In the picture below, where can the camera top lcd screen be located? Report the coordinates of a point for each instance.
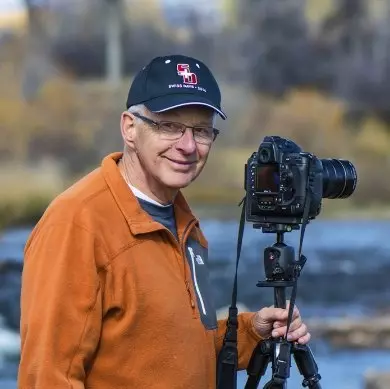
(267, 179)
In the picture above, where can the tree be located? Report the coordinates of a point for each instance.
(39, 64)
(360, 58)
(276, 45)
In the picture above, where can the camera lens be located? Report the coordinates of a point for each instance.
(339, 179)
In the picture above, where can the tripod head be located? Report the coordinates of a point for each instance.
(281, 268)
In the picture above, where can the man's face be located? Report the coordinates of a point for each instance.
(171, 164)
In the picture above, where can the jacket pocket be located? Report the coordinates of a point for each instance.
(197, 257)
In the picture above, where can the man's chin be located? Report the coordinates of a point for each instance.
(178, 183)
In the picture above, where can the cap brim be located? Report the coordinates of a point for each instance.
(168, 102)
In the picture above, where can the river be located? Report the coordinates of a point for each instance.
(347, 270)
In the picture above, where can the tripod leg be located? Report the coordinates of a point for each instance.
(280, 297)
(258, 363)
(307, 366)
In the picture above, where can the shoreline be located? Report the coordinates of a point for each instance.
(232, 212)
(13, 215)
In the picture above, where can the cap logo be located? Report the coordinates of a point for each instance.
(188, 77)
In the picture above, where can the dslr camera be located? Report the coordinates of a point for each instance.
(280, 176)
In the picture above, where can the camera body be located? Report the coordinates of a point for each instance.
(280, 176)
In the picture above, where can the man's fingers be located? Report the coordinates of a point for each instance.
(298, 333)
(295, 324)
(272, 314)
(294, 333)
(282, 314)
(295, 311)
(297, 330)
(278, 314)
(305, 339)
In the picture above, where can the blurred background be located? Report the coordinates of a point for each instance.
(316, 71)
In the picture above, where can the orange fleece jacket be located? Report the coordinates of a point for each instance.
(107, 298)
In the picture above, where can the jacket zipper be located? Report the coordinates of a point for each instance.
(196, 281)
(183, 250)
(186, 281)
(192, 302)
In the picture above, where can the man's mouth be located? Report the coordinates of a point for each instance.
(179, 162)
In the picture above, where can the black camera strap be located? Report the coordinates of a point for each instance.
(228, 356)
(305, 221)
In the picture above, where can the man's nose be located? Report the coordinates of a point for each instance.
(187, 142)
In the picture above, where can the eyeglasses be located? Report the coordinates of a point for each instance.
(173, 131)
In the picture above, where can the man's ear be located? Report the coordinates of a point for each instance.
(128, 128)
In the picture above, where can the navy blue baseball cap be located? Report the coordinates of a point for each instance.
(175, 81)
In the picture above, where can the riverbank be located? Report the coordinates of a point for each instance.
(24, 206)
(353, 333)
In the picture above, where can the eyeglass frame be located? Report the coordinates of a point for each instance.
(184, 127)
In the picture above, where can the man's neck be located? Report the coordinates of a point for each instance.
(136, 180)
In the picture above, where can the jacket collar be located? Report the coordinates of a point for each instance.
(139, 221)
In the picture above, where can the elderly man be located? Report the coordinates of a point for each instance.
(115, 287)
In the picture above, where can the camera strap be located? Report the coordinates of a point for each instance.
(228, 356)
(305, 221)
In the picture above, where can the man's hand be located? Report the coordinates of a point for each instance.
(272, 321)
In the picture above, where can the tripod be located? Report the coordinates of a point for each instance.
(281, 271)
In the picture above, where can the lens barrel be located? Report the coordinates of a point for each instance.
(339, 178)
